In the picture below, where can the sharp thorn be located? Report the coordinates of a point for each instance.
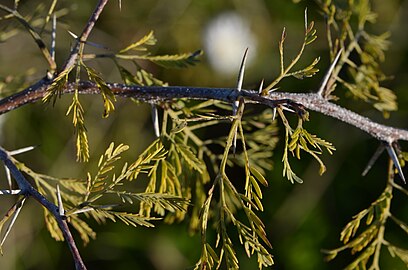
(8, 176)
(72, 34)
(242, 70)
(234, 143)
(60, 205)
(155, 119)
(18, 206)
(240, 80)
(323, 85)
(273, 90)
(394, 158)
(260, 87)
(10, 192)
(373, 159)
(53, 36)
(239, 87)
(287, 109)
(22, 150)
(274, 114)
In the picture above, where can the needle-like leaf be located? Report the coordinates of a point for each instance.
(394, 158)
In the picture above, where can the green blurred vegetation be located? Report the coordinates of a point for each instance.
(301, 219)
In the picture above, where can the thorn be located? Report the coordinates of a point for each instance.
(272, 90)
(72, 34)
(22, 150)
(394, 158)
(287, 109)
(155, 119)
(96, 45)
(373, 159)
(323, 85)
(240, 80)
(8, 176)
(60, 205)
(306, 19)
(260, 87)
(53, 36)
(239, 87)
(274, 114)
(10, 192)
(18, 207)
(242, 70)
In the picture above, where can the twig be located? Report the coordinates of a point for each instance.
(36, 36)
(84, 35)
(28, 190)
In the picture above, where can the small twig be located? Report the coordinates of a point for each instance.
(37, 38)
(84, 35)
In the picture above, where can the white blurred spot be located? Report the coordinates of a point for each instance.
(225, 39)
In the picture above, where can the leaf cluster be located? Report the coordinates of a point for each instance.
(301, 140)
(348, 29)
(287, 71)
(364, 235)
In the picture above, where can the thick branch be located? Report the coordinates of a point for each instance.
(312, 102)
(28, 190)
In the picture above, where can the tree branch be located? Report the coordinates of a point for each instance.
(28, 190)
(298, 101)
(84, 35)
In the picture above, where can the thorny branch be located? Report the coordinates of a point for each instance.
(297, 101)
(29, 191)
(84, 35)
(39, 88)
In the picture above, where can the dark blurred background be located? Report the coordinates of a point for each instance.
(301, 220)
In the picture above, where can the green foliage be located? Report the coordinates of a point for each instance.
(78, 120)
(251, 233)
(366, 243)
(308, 71)
(107, 95)
(301, 140)
(55, 89)
(93, 197)
(348, 29)
(190, 174)
(139, 51)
